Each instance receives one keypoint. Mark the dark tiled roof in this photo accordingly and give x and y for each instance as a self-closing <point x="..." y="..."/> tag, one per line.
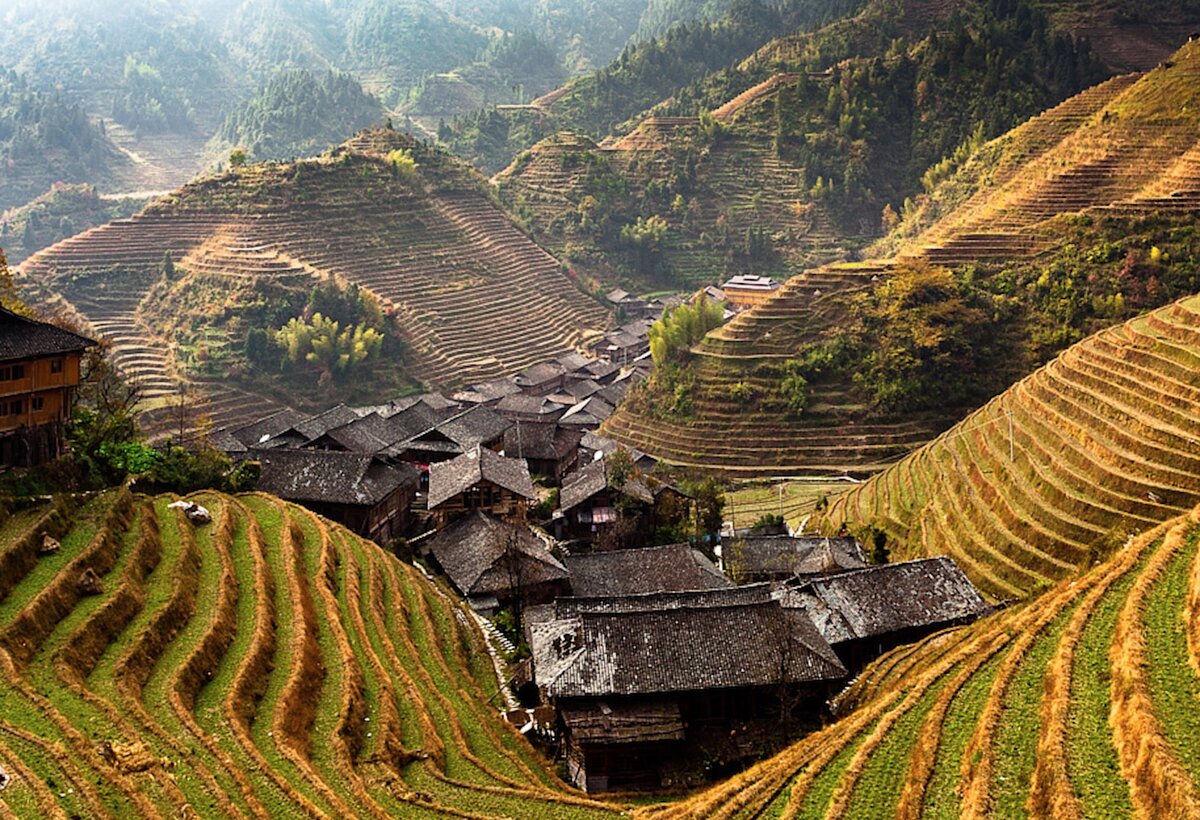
<point x="369" y="434"/>
<point x="476" y="426"/>
<point x="318" y="425"/>
<point x="475" y="553"/>
<point x="520" y="404"/>
<point x="330" y="477"/>
<point x="613" y="393"/>
<point x="743" y="595"/>
<point x="224" y="441"/>
<point x="540" y="440"/>
<point x="619" y="722"/>
<point x="268" y="427"/>
<point x="539" y="374"/>
<point x="600" y="654"/>
<point x="410" y="422"/>
<point x="889" y="598"/>
<point x="574" y="361"/>
<point x="585" y="483"/>
<point x="582" y="389"/>
<point x="801" y="555"/>
<point x="675" y="567"/>
<point x="488" y="391"/>
<point x="600" y="369"/>
<point x="617" y="295"/>
<point x="22" y="338"/>
<point x="590" y="411"/>
<point x="449" y="478"/>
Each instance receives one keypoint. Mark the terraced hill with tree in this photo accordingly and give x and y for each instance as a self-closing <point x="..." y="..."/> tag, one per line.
<point x="1081" y="702"/>
<point x="1102" y="442"/>
<point x="403" y="222"/>
<point x="1081" y="218"/>
<point x="269" y="664"/>
<point x="791" y="167"/>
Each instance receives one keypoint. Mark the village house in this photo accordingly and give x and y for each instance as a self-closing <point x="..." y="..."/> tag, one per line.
<point x="748" y="289"/>
<point x="480" y="479"/>
<point x="530" y="408"/>
<point x="649" y="689"/>
<point x="866" y="612"/>
<point x="750" y="558"/>
<point x="643" y="570"/>
<point x="368" y="495"/>
<point x="591" y="508"/>
<point x="477" y="427"/>
<point x="487" y="393"/>
<point x="40" y="368"/>
<point x="497" y="564"/>
<point x="259" y="432"/>
<point x="588" y="414"/>
<point x="624" y="344"/>
<point x="549" y="450"/>
<point x="541" y="379"/>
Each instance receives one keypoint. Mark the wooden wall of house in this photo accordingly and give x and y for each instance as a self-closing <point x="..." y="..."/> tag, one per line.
<point x="499" y="501"/>
<point x="40" y="394"/>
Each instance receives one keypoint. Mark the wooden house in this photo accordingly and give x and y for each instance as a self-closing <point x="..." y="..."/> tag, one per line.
<point x="479" y="480"/>
<point x="624" y="344"/>
<point x="751" y="558"/>
<point x="866" y="612"/>
<point x="549" y="450"/>
<point x="592" y="507"/>
<point x="40" y="369"/>
<point x="366" y="494"/>
<point x="541" y="379"/>
<point x="497" y="564"/>
<point x="642" y="684"/>
<point x="521" y="407"/>
<point x="477" y="427"/>
<point x="641" y="571"/>
<point x="748" y="289"/>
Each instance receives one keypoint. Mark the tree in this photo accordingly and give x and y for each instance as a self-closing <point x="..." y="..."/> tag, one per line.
<point x="708" y="496"/>
<point x="9" y="298"/>
<point x="168" y="266"/>
<point x="238" y="158"/>
<point x="103" y="432"/>
<point x="324" y="343"/>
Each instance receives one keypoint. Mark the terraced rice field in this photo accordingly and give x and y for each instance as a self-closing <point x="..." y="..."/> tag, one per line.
<point x="1103" y="441"/>
<point x="753" y="438"/>
<point x="266" y="665"/>
<point x="464" y="280"/>
<point x="1128" y="146"/>
<point x="1083" y="702"/>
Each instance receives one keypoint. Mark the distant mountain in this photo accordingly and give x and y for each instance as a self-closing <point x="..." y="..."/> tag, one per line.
<point x="299" y="114"/>
<point x="46" y="138"/>
<point x="1080" y="218"/>
<point x="181" y="285"/>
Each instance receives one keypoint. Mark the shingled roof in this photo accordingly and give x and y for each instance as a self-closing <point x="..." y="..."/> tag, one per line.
<point x="601" y="654"/>
<point x="674" y="567"/>
<point x="540" y="440"/>
<point x="371" y="433"/>
<point x="474" y="552"/>
<point x="449" y="478"/>
<point x="24" y="338"/>
<point x="889" y="598"/>
<point x="795" y="555"/>
<point x="267" y="427"/>
<point x="593" y="478"/>
<point x="324" y="476"/>
<point x="316" y="426"/>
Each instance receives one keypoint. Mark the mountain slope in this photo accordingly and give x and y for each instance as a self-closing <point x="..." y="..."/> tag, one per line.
<point x="432" y="247"/>
<point x="267" y="664"/>
<point x="1053" y="227"/>
<point x="1080" y="703"/>
<point x="1103" y="441"/>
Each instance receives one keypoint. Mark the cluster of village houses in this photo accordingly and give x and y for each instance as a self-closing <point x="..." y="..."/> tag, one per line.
<point x="647" y="663"/>
<point x="644" y="660"/>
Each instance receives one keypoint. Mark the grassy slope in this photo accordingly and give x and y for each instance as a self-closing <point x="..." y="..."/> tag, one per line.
<point x="370" y="696"/>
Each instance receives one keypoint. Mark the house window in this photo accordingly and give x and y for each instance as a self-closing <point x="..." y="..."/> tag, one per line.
<point x="37" y="403"/>
<point x="12" y="372"/>
<point x="16" y="407"/>
<point x="56" y="365"/>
